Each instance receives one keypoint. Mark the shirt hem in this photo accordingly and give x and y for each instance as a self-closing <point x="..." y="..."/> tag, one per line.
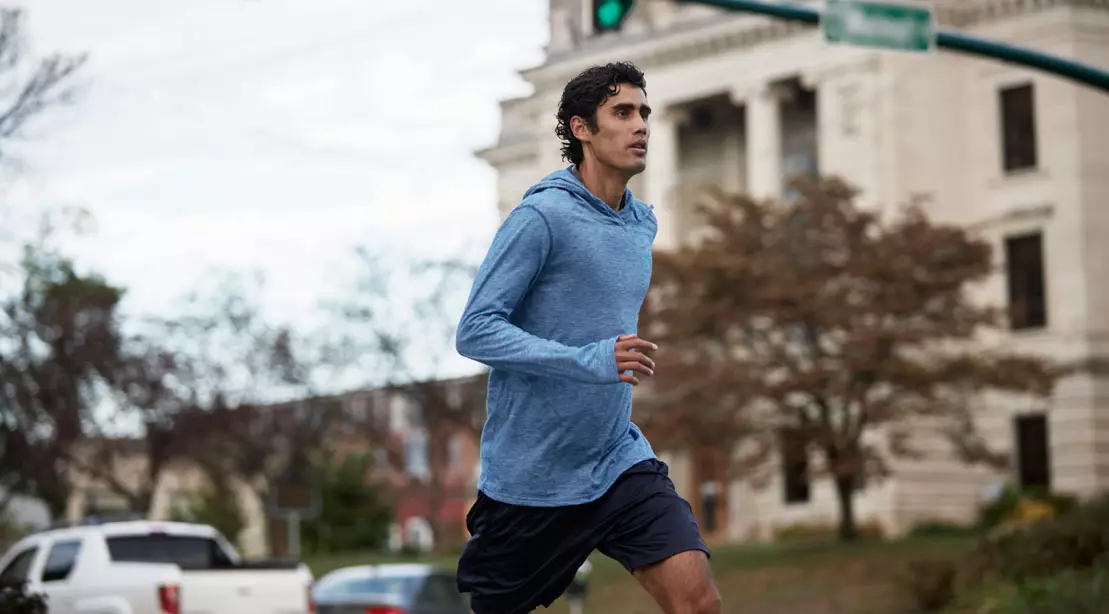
<point x="555" y="500"/>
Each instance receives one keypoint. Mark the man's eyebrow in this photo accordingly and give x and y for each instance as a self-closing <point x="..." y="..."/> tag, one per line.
<point x="627" y="106"/>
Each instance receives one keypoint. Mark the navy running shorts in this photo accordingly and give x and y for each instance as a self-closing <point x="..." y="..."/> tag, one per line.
<point x="520" y="557"/>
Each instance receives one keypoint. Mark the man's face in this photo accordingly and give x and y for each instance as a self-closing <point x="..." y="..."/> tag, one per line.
<point x="620" y="141"/>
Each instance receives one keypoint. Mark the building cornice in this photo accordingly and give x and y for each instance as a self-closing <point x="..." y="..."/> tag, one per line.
<point x="720" y="34"/>
<point x="653" y="49"/>
<point x="993" y="10"/>
<point x="728" y="33"/>
<point x="1006" y="220"/>
<point x="516" y="150"/>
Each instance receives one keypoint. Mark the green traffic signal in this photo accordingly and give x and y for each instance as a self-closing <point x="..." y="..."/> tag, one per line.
<point x="609" y="14"/>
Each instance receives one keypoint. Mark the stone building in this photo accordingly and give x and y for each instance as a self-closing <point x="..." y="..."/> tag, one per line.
<point x="742" y="101"/>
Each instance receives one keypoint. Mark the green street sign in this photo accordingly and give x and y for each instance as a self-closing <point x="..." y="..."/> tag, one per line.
<point x="885" y="25"/>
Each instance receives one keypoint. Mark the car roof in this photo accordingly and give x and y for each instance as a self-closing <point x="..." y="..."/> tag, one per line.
<point x="388" y="570"/>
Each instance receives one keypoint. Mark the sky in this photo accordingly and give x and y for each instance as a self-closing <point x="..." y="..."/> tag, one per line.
<point x="273" y="136"/>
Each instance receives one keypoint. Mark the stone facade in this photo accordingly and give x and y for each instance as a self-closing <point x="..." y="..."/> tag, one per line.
<point x="740" y="101"/>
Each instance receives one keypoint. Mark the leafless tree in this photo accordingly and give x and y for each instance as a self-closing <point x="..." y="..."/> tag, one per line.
<point x="405" y="317"/>
<point x="29" y="87"/>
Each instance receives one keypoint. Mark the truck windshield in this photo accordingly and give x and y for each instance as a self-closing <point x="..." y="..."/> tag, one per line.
<point x="185" y="551"/>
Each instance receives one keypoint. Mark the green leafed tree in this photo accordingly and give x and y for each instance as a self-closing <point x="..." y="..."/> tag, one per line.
<point x="353" y="513"/>
<point x="217" y="505"/>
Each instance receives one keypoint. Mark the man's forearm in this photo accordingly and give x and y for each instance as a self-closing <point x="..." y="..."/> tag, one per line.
<point x="494" y="341"/>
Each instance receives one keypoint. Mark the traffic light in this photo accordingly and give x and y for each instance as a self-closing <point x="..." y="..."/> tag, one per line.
<point x="609" y="14"/>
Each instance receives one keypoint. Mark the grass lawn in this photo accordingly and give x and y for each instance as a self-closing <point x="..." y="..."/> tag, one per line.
<point x="815" y="578"/>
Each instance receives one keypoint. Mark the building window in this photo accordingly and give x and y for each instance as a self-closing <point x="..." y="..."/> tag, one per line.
<point x="1018" y="128"/>
<point x="414" y="416"/>
<point x="795" y="467"/>
<point x="381" y="457"/>
<point x="710" y="499"/>
<point x="357" y="409"/>
<point x="415" y="456"/>
<point x="799" y="138"/>
<point x="1024" y="269"/>
<point x="1033" y="452"/>
<point x="454" y="452"/>
<point x="398" y="409"/>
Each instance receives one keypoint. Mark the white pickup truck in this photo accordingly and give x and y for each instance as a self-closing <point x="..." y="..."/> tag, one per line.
<point x="149" y="567"/>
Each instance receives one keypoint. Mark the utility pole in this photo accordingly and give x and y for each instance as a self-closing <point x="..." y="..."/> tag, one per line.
<point x="916" y="24"/>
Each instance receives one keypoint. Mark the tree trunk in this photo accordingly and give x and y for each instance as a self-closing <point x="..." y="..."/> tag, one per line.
<point x="845" y="490"/>
<point x="140" y="502"/>
<point x="56" y="498"/>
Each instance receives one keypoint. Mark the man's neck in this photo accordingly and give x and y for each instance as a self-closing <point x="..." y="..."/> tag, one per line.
<point x="603" y="183"/>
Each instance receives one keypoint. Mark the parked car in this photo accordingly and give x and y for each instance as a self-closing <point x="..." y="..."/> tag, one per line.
<point x="389" y="589"/>
<point x="147" y="567"/>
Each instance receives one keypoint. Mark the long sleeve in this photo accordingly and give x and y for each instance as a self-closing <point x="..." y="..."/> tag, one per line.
<point x="486" y="334"/>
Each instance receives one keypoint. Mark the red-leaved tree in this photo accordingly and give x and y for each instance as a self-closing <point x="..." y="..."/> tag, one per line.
<point x="847" y="330"/>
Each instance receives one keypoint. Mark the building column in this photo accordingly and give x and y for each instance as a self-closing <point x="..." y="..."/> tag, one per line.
<point x="848" y="138"/>
<point x="661" y="176"/>
<point x="764" y="140"/>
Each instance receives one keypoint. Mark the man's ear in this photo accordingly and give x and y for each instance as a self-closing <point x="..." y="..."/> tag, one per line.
<point x="580" y="129"/>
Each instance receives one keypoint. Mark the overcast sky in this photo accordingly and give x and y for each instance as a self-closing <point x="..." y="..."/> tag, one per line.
<point x="274" y="134"/>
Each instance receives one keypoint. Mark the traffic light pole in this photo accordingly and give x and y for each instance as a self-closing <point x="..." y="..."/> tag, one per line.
<point x="971" y="45"/>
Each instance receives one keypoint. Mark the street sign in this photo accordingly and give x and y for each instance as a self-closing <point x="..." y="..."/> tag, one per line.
<point x="295" y="495"/>
<point x="898" y="26"/>
<point x="295" y="492"/>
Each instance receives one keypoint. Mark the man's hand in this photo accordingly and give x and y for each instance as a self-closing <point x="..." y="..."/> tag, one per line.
<point x="628" y="359"/>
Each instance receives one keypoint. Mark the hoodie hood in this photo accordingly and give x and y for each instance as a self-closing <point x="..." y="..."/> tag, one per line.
<point x="566" y="180"/>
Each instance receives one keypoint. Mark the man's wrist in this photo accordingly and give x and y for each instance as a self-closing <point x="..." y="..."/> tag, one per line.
<point x="611" y="370"/>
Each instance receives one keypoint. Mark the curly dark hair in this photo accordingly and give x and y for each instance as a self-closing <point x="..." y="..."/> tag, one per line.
<point x="584" y="94"/>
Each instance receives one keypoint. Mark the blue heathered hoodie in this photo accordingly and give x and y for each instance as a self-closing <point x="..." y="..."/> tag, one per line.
<point x="564" y="277"/>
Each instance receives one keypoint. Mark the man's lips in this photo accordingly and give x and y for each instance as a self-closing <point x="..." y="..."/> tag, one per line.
<point x="640" y="146"/>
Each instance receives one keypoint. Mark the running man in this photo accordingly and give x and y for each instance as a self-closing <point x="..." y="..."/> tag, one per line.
<point x="554" y="313"/>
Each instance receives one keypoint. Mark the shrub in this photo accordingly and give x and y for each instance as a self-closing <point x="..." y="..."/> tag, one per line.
<point x="1075" y="540"/>
<point x="1041" y="563"/>
<point x="1014" y="507"/>
<point x="16" y="600"/>
<point x="1070" y="592"/>
<point x="353" y="512"/>
<point x="931" y="584"/>
<point x="11" y="531"/>
<point x="1067" y="592"/>
<point x="218" y="506"/>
